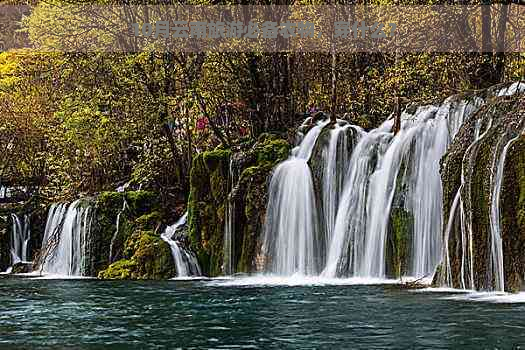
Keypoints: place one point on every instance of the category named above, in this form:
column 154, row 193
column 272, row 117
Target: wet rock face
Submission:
column 22, row 268
column 470, row 236
column 141, row 211
column 206, row 208
column 513, row 215
column 211, row 186
column 5, row 256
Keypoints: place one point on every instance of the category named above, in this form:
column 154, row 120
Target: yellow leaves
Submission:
column 7, row 64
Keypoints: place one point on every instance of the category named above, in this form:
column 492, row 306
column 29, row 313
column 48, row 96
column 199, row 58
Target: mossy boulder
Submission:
column 119, row 270
column 146, row 256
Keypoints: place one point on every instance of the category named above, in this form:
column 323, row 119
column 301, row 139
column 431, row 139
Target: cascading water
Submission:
column 185, row 261
column 383, row 170
column 20, row 235
column 291, row 244
column 467, row 270
column 117, row 231
column 66, row 243
column 496, row 245
column 229, row 220
column 375, row 177
column 335, row 159
column 425, row 194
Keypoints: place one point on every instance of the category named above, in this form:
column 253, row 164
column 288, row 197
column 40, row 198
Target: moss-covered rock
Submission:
column 399, row 242
column 149, row 221
column 251, row 197
column 206, row 207
column 513, row 216
column 146, row 256
column 133, row 209
column 210, row 185
column 498, row 121
column 5, row 256
column 119, row 270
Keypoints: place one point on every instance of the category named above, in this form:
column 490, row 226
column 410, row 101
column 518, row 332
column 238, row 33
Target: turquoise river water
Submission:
column 226, row 314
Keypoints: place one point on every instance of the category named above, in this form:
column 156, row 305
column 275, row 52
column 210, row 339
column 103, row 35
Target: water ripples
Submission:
column 86, row 314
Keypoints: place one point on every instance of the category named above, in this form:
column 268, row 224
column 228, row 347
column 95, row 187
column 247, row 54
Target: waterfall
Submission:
column 405, row 166
column 117, row 230
column 335, row 159
column 66, row 243
column 512, row 89
column 425, row 193
column 185, row 261
column 348, row 229
column 360, row 189
column 229, row 220
column 291, row 243
column 20, row 235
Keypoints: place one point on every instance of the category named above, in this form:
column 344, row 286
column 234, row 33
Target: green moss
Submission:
column 146, row 256
column 479, row 206
column 141, row 211
column 400, row 232
column 110, row 199
column 209, row 190
column 215, row 158
column 206, row 203
column 5, row 256
column 149, row 221
column 513, row 216
column 504, row 115
column 255, row 199
column 142, row 202
column 272, row 150
column 120, row 270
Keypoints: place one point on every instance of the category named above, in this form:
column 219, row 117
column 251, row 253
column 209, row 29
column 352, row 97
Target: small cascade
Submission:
column 117, row 231
column 20, row 235
column 514, row 88
column 496, row 270
column 347, row 244
column 335, row 159
column 229, row 220
column 66, row 244
column 291, row 243
column 185, row 261
column 459, row 207
column 424, row 195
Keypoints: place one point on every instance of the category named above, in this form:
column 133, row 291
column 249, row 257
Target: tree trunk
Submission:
column 500, row 45
column 334, row 86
